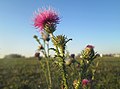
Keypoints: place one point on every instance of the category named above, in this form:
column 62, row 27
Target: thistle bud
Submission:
column 85, row 82
column 40, row 47
column 47, row 39
column 35, row 36
column 88, row 52
column 37, row 54
column 73, row 56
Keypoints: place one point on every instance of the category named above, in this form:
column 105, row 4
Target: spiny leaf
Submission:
column 68, row 40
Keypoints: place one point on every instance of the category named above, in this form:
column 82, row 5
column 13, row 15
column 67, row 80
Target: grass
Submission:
column 27, row 73
column 108, row 73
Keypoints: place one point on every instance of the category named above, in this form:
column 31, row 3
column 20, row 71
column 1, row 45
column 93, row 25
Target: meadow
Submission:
column 27, row 73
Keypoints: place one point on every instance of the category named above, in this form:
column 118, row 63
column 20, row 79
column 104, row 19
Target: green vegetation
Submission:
column 28, row 74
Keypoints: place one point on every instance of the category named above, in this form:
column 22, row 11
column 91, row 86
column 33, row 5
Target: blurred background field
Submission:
column 27, row 73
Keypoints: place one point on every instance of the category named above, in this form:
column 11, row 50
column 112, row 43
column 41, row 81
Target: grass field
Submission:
column 27, row 73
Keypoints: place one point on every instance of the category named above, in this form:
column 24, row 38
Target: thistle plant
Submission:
column 45, row 21
column 45, row 52
column 89, row 53
column 60, row 42
column 86, row 74
column 37, row 54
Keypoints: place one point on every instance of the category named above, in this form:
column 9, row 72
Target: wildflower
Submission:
column 89, row 48
column 85, row 82
column 46, row 20
column 88, row 52
column 73, row 56
column 60, row 41
column 37, row 54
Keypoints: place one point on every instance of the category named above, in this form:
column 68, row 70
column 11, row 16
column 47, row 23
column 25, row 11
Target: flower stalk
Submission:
column 60, row 43
column 88, row 55
column 48, row 67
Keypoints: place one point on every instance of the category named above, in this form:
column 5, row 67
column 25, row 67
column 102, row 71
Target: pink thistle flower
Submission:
column 90, row 46
column 46, row 19
column 85, row 82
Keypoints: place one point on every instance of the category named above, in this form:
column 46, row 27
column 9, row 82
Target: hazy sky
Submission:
column 95, row 22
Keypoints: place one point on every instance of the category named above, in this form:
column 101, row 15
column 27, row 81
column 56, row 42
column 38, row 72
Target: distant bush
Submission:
column 14, row 56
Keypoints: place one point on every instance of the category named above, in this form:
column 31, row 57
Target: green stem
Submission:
column 62, row 53
column 48, row 49
column 49, row 75
column 64, row 73
column 44, row 71
column 81, row 74
column 47, row 63
column 64, row 76
column 45, row 50
column 48, row 67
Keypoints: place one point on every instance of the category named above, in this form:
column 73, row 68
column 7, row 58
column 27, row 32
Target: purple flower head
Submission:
column 72, row 55
column 90, row 46
column 88, row 53
column 85, row 82
column 46, row 19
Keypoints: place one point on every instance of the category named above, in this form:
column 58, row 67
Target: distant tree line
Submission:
column 14, row 56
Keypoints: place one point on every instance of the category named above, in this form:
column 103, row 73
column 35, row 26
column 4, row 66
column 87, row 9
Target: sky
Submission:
column 94, row 22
